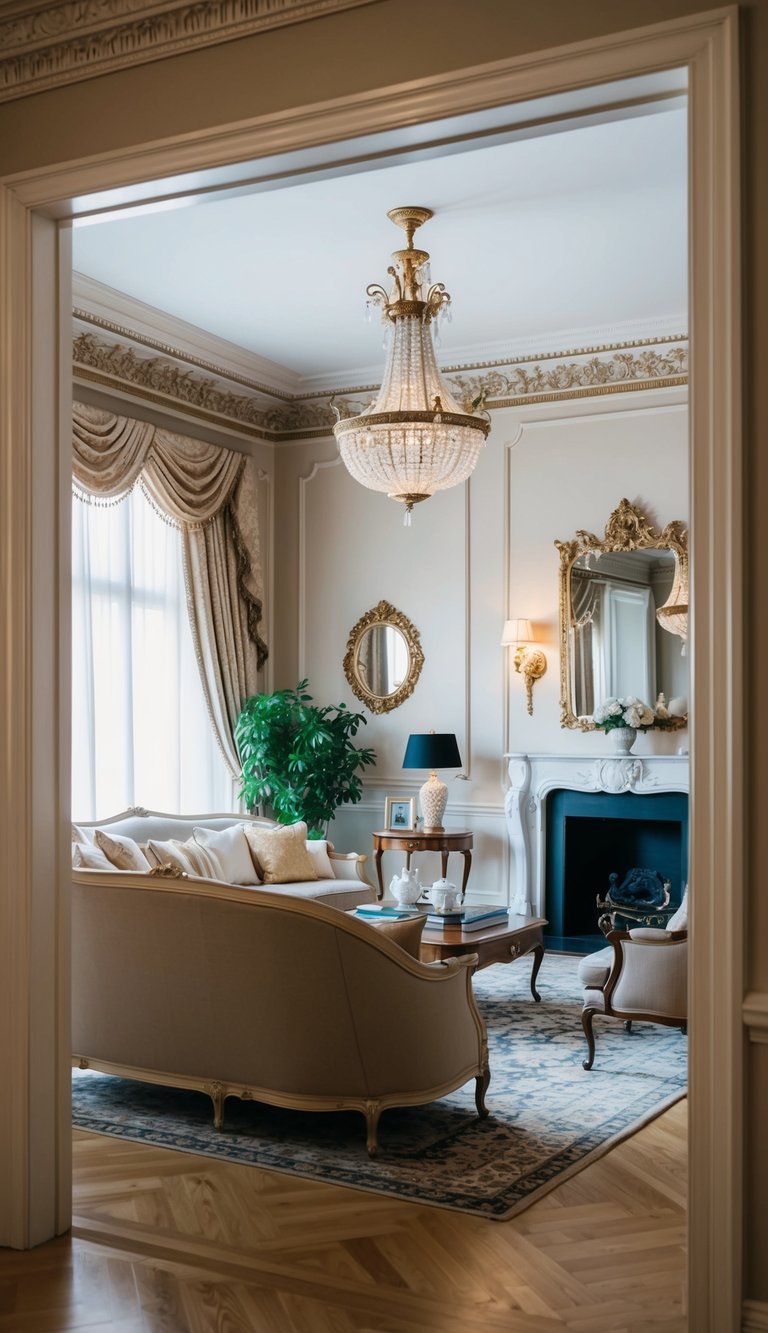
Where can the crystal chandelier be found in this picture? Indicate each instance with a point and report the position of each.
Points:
(414, 438)
(673, 615)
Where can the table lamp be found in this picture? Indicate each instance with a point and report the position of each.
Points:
(432, 750)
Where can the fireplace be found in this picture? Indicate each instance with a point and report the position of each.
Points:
(590, 836)
(629, 812)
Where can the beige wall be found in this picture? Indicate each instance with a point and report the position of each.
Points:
(398, 40)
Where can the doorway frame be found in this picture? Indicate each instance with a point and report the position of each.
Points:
(35, 398)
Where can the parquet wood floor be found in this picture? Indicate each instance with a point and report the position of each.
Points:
(164, 1242)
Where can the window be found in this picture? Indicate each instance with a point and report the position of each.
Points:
(140, 729)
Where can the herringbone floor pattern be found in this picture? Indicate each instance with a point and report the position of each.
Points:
(164, 1242)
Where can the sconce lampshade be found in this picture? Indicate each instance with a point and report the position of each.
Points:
(516, 631)
(432, 750)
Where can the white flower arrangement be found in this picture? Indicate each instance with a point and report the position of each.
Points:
(627, 712)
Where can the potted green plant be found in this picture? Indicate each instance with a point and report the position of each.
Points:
(299, 759)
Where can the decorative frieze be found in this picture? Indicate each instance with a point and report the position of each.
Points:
(80, 39)
(523, 382)
(273, 414)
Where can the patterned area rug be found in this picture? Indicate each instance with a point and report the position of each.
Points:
(548, 1116)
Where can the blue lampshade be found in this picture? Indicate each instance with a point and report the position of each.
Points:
(432, 750)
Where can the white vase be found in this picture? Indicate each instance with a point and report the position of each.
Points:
(623, 739)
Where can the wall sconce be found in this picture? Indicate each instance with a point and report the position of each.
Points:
(530, 662)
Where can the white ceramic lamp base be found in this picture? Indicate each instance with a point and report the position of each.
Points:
(433, 798)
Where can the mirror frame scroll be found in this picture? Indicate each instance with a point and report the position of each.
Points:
(626, 530)
(383, 614)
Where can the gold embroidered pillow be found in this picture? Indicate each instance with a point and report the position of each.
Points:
(124, 853)
(280, 854)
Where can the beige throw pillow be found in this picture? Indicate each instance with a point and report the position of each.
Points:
(406, 933)
(123, 852)
(680, 919)
(281, 853)
(86, 856)
(318, 850)
(188, 856)
(228, 851)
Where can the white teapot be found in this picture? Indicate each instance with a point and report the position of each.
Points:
(444, 895)
(405, 888)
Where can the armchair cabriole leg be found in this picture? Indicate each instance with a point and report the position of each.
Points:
(628, 1025)
(586, 1022)
(538, 954)
(481, 1087)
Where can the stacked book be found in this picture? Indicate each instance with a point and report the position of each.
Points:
(385, 911)
(479, 917)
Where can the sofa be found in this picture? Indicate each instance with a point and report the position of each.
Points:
(341, 880)
(264, 994)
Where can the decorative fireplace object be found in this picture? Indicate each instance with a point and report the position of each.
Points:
(642, 897)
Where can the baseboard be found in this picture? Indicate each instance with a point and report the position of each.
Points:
(754, 1317)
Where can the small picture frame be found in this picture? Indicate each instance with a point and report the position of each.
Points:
(400, 814)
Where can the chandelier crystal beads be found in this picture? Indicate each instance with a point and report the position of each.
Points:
(414, 439)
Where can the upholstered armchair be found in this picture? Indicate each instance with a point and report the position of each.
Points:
(642, 975)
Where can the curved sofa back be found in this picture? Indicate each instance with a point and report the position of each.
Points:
(143, 825)
(244, 987)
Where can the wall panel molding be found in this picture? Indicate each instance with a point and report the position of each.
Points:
(755, 1014)
(754, 1317)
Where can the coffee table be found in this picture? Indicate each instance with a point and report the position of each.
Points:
(504, 943)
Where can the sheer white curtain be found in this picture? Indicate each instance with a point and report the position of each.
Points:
(141, 734)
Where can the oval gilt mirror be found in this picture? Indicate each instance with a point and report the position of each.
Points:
(383, 658)
(623, 615)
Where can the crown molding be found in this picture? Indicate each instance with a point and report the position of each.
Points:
(175, 377)
(46, 45)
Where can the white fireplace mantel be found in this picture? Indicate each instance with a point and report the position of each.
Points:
(533, 776)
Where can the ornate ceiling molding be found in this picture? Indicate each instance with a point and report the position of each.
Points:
(45, 45)
(175, 379)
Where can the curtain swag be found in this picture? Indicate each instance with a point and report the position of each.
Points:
(209, 493)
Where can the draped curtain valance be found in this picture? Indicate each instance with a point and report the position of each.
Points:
(209, 493)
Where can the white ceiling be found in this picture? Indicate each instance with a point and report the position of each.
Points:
(543, 242)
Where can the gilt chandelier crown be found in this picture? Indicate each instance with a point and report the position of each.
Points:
(413, 439)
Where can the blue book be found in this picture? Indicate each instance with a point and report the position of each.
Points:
(385, 909)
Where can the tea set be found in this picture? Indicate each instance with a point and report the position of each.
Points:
(406, 889)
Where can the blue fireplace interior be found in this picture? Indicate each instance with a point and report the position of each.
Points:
(592, 834)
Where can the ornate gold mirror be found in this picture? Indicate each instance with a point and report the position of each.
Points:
(624, 617)
(384, 658)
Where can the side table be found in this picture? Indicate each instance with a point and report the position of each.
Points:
(444, 843)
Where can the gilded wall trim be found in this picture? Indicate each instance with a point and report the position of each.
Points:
(270, 414)
(80, 39)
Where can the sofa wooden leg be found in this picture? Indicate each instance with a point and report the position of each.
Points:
(586, 1022)
(628, 1025)
(216, 1093)
(481, 1087)
(372, 1114)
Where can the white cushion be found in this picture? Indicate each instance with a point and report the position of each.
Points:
(123, 852)
(229, 853)
(680, 919)
(85, 855)
(595, 968)
(318, 850)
